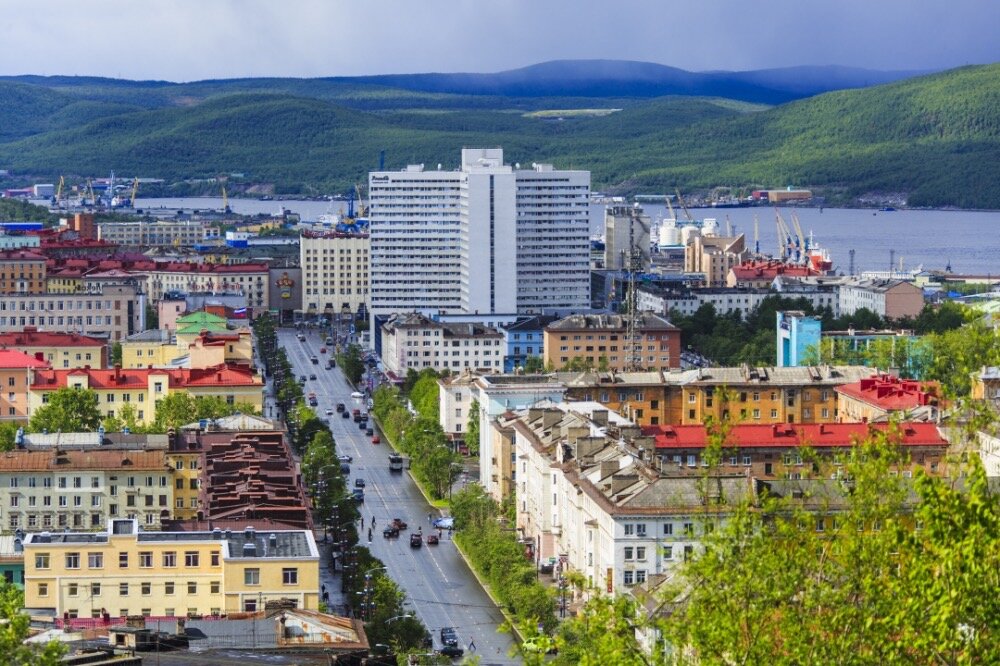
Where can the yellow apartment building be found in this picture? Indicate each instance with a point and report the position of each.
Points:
(744, 394)
(159, 348)
(22, 271)
(143, 387)
(60, 350)
(126, 571)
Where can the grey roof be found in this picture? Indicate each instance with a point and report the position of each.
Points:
(152, 335)
(731, 376)
(535, 323)
(684, 493)
(236, 422)
(647, 321)
(287, 543)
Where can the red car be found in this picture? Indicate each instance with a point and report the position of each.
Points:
(322, 350)
(432, 539)
(376, 440)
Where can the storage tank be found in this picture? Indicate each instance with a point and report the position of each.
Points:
(688, 233)
(669, 233)
(710, 227)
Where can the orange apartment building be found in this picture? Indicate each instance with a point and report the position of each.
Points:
(601, 341)
(22, 272)
(881, 396)
(776, 451)
(15, 378)
(743, 394)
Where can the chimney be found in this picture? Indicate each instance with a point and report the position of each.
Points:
(621, 481)
(608, 467)
(551, 417)
(599, 417)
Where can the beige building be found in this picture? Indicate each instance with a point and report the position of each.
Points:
(82, 489)
(891, 299)
(415, 341)
(334, 272)
(250, 279)
(146, 233)
(602, 342)
(714, 256)
(160, 348)
(111, 311)
(60, 350)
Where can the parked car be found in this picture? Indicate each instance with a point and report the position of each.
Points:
(312, 375)
(376, 440)
(398, 524)
(322, 350)
(358, 495)
(359, 482)
(315, 360)
(444, 523)
(451, 651)
(432, 539)
(416, 541)
(329, 411)
(302, 379)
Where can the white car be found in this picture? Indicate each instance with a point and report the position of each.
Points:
(329, 411)
(357, 396)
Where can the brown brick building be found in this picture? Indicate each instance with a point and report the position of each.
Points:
(600, 341)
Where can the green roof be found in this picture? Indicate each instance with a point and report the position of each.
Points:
(200, 317)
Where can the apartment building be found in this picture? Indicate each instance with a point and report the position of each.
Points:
(335, 272)
(22, 272)
(601, 341)
(776, 451)
(726, 300)
(15, 371)
(205, 349)
(415, 341)
(891, 299)
(163, 233)
(455, 397)
(145, 386)
(881, 396)
(484, 238)
(126, 571)
(714, 257)
(250, 279)
(112, 312)
(81, 489)
(743, 394)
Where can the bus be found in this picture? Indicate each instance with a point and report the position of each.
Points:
(395, 462)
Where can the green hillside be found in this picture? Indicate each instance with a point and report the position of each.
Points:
(936, 137)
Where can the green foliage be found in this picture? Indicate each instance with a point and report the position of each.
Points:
(472, 429)
(152, 317)
(914, 585)
(533, 365)
(603, 633)
(351, 363)
(425, 394)
(68, 410)
(180, 408)
(934, 137)
(116, 353)
(387, 622)
(8, 434)
(496, 554)
(15, 628)
(16, 210)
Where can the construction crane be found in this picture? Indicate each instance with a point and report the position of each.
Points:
(226, 210)
(785, 242)
(135, 192)
(684, 207)
(670, 207)
(59, 190)
(362, 209)
(89, 198)
(803, 244)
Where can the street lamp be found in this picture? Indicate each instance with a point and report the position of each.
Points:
(563, 585)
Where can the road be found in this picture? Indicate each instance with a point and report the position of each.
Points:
(439, 585)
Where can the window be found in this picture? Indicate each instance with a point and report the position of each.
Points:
(170, 559)
(251, 576)
(95, 589)
(95, 560)
(629, 578)
(640, 576)
(146, 559)
(629, 529)
(215, 558)
(640, 529)
(43, 589)
(122, 589)
(640, 553)
(290, 576)
(629, 553)
(168, 587)
(191, 558)
(688, 529)
(215, 587)
(192, 587)
(72, 590)
(72, 560)
(122, 560)
(668, 529)
(42, 561)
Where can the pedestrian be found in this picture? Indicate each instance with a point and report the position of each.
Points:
(439, 533)
(430, 518)
(323, 588)
(373, 521)
(369, 535)
(472, 645)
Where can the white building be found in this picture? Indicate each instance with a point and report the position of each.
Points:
(334, 272)
(417, 342)
(455, 397)
(485, 238)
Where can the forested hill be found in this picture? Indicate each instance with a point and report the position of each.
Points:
(935, 137)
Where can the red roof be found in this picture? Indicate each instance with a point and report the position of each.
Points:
(117, 378)
(13, 358)
(32, 337)
(20, 255)
(768, 270)
(891, 393)
(819, 435)
(100, 265)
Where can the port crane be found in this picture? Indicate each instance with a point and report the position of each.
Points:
(226, 210)
(57, 199)
(670, 207)
(135, 192)
(684, 207)
(786, 246)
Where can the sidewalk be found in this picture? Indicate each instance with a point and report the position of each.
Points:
(333, 598)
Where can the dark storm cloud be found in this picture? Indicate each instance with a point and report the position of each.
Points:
(196, 39)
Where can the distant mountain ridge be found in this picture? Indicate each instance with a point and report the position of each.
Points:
(626, 78)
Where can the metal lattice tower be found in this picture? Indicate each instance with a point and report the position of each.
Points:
(633, 338)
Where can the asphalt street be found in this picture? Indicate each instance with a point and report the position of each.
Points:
(440, 588)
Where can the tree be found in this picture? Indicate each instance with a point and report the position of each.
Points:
(425, 394)
(67, 410)
(472, 429)
(8, 434)
(116, 353)
(15, 628)
(603, 633)
(351, 363)
(533, 365)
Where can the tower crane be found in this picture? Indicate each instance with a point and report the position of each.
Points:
(684, 207)
(135, 191)
(226, 210)
(362, 209)
(59, 190)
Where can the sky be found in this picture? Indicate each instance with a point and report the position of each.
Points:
(185, 40)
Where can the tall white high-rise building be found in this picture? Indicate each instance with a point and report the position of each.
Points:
(485, 238)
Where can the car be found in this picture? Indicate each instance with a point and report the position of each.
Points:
(416, 541)
(340, 407)
(449, 637)
(344, 458)
(329, 340)
(329, 411)
(370, 432)
(451, 651)
(301, 337)
(376, 440)
(390, 532)
(346, 415)
(358, 495)
(331, 364)
(322, 350)
(362, 425)
(312, 375)
(444, 523)
(359, 482)
(314, 360)
(398, 523)
(357, 395)
(432, 539)
(302, 379)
